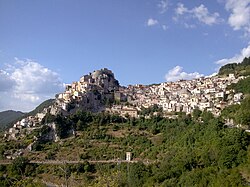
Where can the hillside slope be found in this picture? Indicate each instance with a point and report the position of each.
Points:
(239, 69)
(187, 151)
(40, 107)
(7, 117)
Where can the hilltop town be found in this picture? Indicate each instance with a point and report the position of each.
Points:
(184, 95)
(99, 91)
(100, 87)
(187, 125)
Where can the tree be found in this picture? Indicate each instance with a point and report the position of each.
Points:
(196, 113)
(207, 116)
(48, 118)
(19, 165)
(243, 86)
(243, 114)
(137, 175)
(2, 150)
(80, 125)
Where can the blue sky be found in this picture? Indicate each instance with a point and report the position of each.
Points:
(45, 43)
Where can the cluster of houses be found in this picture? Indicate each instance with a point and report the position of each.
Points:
(93, 90)
(207, 93)
(89, 92)
(26, 125)
(124, 111)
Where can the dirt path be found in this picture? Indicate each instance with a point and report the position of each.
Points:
(61, 162)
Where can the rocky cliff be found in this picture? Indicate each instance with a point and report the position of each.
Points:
(92, 92)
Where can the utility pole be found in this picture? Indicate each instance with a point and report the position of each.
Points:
(128, 159)
(128, 174)
(119, 168)
(65, 173)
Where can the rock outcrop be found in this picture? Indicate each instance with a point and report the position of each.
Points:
(92, 92)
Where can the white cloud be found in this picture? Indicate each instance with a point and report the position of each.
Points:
(181, 9)
(152, 22)
(245, 52)
(189, 26)
(26, 84)
(212, 75)
(6, 81)
(239, 14)
(177, 73)
(200, 13)
(164, 27)
(203, 15)
(163, 5)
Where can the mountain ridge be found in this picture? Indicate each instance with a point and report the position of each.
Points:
(97, 89)
(9, 116)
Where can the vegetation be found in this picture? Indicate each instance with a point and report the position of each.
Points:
(243, 86)
(7, 118)
(151, 110)
(19, 173)
(187, 151)
(190, 150)
(40, 107)
(239, 69)
(240, 113)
